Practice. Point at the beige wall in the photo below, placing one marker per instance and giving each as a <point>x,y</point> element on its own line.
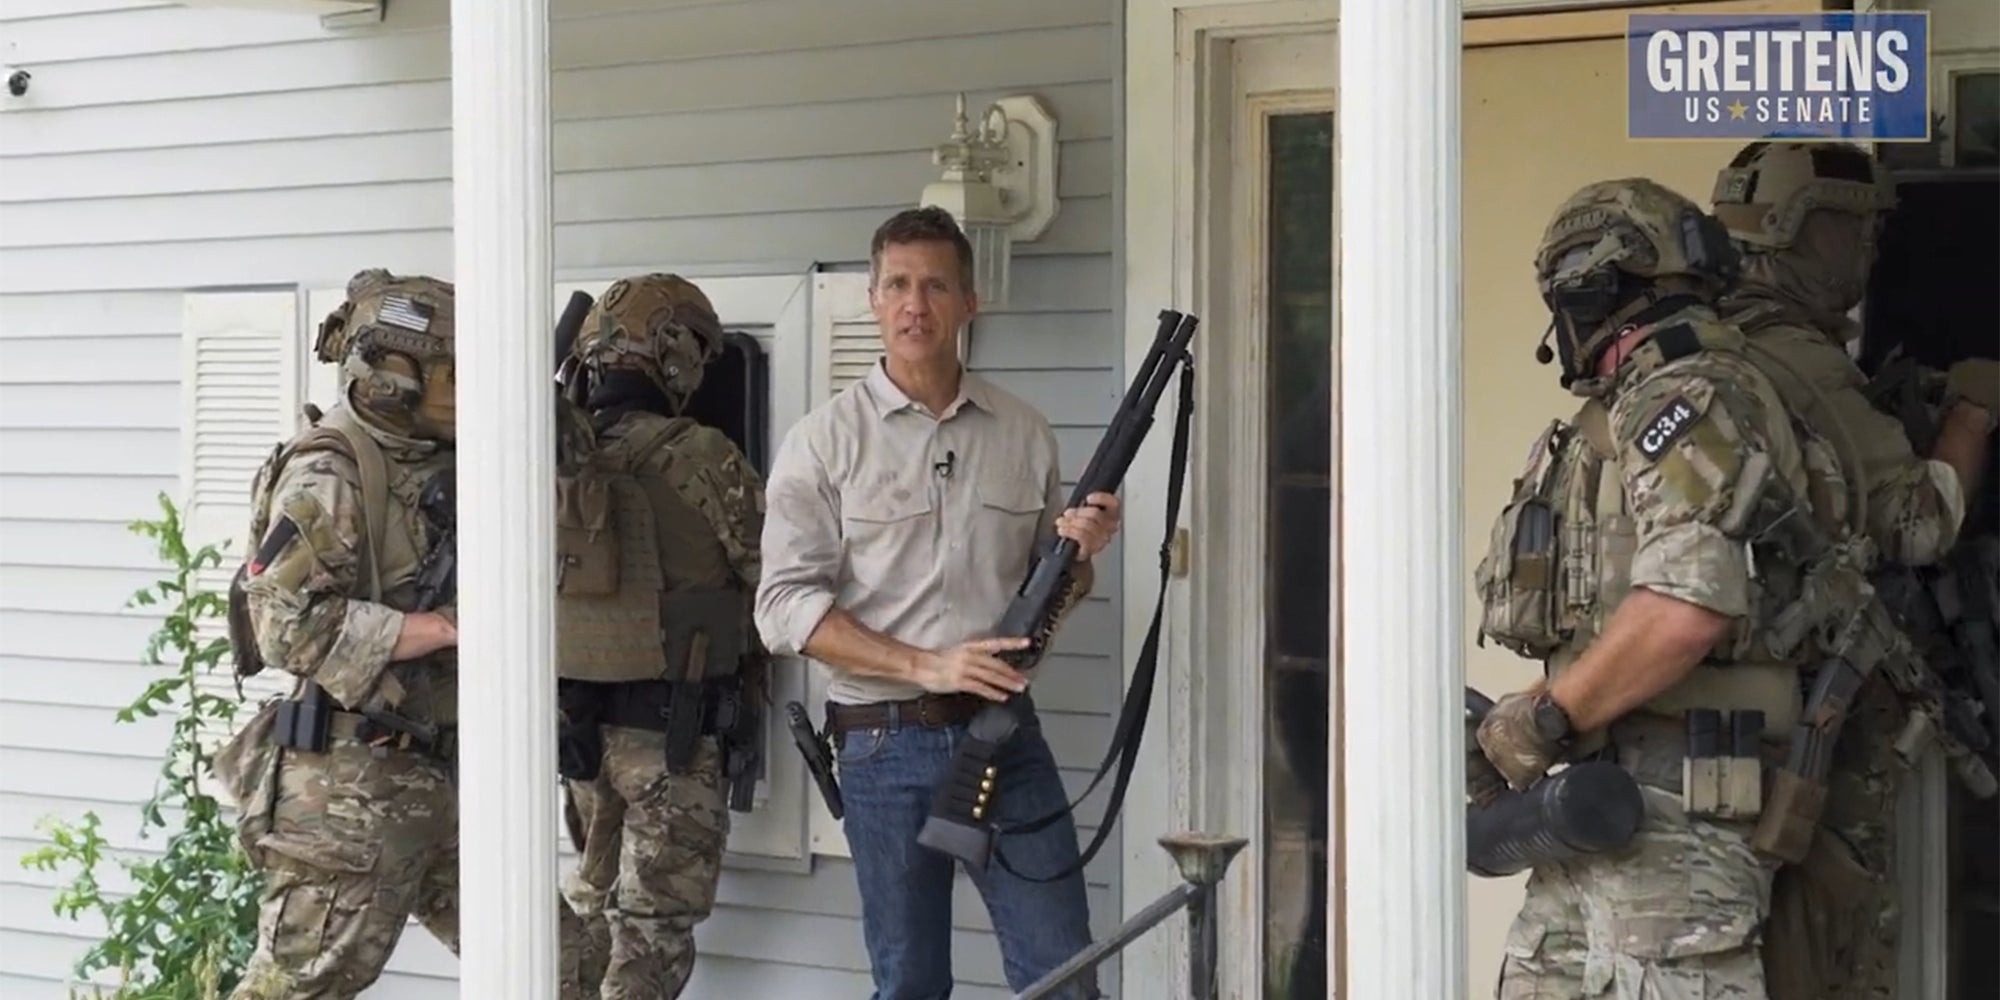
<point>1540,121</point>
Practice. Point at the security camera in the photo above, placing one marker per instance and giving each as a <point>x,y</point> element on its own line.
<point>17,82</point>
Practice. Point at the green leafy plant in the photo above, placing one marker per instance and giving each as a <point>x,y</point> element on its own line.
<point>189,923</point>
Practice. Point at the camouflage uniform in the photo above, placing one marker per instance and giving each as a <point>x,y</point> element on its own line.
<point>1806,217</point>
<point>652,835</point>
<point>1643,487</point>
<point>355,839</point>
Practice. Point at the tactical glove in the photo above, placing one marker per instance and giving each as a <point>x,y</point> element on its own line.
<point>1977,381</point>
<point>1523,735</point>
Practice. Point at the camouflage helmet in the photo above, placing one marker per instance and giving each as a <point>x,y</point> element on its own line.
<point>1766,192</point>
<point>660,325</point>
<point>1616,247</point>
<point>1640,227</point>
<point>387,314</point>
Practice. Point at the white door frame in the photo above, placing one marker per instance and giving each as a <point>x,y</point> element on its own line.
<point>1180,99</point>
<point>1264,76</point>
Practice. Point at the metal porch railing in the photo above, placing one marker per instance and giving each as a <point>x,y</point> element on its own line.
<point>1203,860</point>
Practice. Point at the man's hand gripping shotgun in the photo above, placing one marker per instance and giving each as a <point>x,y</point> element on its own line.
<point>960,823</point>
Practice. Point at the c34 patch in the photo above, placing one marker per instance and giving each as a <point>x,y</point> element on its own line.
<point>1666,427</point>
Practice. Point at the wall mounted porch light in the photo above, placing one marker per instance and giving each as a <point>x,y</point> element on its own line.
<point>999,183</point>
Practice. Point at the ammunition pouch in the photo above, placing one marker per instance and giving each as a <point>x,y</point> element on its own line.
<point>1716,760</point>
<point>1518,594</point>
<point>303,721</point>
<point>1520,580</point>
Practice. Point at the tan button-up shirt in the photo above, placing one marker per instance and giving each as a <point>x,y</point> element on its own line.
<point>921,526</point>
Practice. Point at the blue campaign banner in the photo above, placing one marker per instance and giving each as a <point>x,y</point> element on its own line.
<point>1831,76</point>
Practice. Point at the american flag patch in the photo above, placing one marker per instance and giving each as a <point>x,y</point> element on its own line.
<point>402,311</point>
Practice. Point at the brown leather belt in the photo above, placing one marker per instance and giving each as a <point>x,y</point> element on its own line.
<point>930,711</point>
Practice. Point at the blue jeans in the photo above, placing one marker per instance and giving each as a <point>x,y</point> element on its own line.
<point>887,777</point>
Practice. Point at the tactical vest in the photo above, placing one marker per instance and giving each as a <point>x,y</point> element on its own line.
<point>1803,379</point>
<point>1560,553</point>
<point>391,551</point>
<point>643,587</point>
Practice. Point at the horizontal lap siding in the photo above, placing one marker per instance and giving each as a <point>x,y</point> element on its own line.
<point>163,148</point>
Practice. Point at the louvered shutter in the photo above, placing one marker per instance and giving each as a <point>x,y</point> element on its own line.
<point>845,338</point>
<point>241,388</point>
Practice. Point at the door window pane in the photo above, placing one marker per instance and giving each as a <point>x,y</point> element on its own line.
<point>1299,297</point>
<point>1975,111</point>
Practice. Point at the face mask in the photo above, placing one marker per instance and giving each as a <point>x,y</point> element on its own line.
<point>1826,269</point>
<point>437,415</point>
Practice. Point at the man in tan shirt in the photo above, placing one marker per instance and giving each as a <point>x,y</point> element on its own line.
<point>902,514</point>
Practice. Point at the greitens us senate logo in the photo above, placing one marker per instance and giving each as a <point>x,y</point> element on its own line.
<point>1833,76</point>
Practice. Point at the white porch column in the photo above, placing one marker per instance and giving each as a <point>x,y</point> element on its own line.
<point>1398,580</point>
<point>501,257</point>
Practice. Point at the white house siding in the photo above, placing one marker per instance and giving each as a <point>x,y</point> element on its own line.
<point>164,148</point>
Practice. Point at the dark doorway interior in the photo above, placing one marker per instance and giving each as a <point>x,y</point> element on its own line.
<point>735,397</point>
<point>1936,294</point>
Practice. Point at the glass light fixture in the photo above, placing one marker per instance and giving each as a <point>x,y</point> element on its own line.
<point>970,158</point>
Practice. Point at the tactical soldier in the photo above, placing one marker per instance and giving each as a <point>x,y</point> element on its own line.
<point>346,787</point>
<point>1631,560</point>
<point>1806,217</point>
<point>657,529</point>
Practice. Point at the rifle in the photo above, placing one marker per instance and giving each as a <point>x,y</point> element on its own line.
<point>437,572</point>
<point>569,371</point>
<point>1950,607</point>
<point>1901,388</point>
<point>1840,611</point>
<point>964,799</point>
